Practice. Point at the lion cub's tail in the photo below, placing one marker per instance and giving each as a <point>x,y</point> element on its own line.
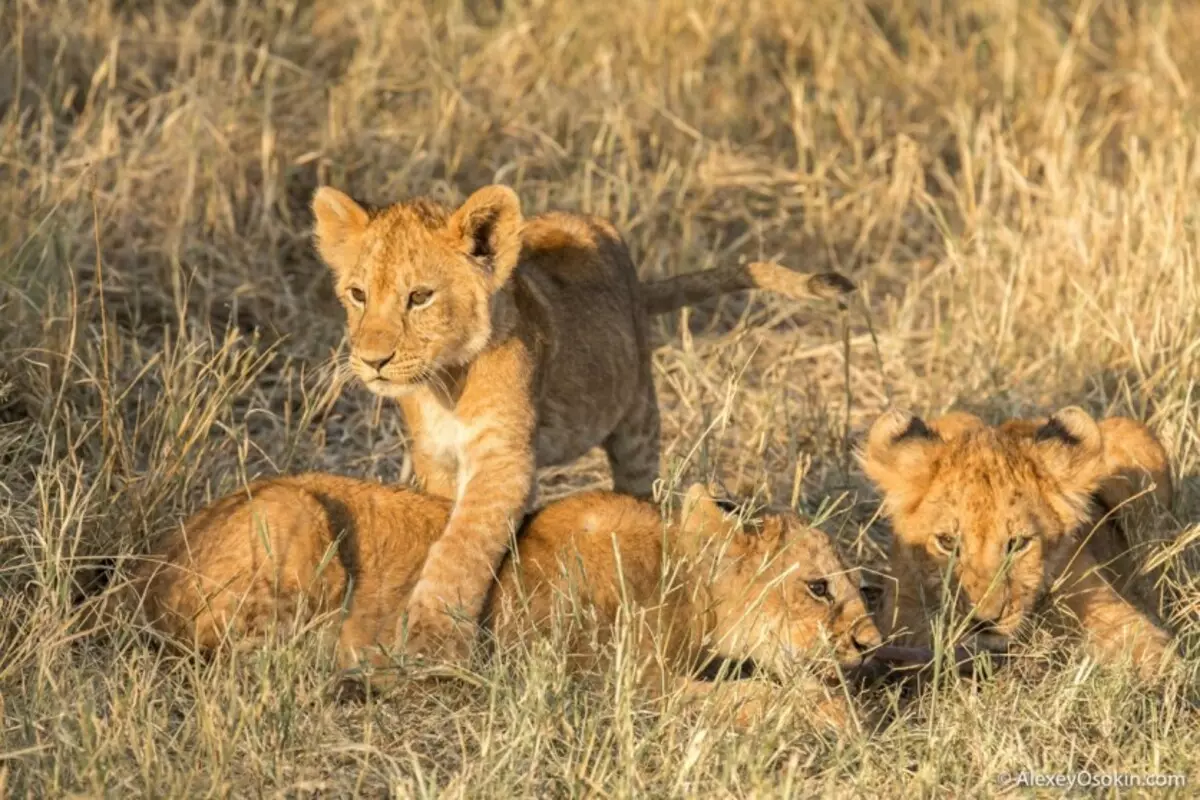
<point>671,294</point>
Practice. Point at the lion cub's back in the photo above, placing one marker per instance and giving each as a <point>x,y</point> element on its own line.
<point>282,551</point>
<point>581,252</point>
<point>594,547</point>
<point>588,284</point>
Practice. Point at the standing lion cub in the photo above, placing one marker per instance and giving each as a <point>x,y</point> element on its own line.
<point>710,583</point>
<point>510,343</point>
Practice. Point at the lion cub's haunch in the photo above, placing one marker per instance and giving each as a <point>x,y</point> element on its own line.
<point>510,343</point>
<point>294,550</point>
<point>1018,513</point>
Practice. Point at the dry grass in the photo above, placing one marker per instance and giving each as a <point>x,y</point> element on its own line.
<point>1013,185</point>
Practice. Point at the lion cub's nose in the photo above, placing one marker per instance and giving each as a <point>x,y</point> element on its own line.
<point>378,364</point>
<point>865,637</point>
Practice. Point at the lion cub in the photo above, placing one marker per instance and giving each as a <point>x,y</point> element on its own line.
<point>1018,513</point>
<point>298,550</point>
<point>510,343</point>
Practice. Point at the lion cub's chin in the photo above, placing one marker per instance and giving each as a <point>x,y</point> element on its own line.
<point>830,669</point>
<point>392,389</point>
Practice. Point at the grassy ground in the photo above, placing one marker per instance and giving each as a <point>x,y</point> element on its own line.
<point>1014,186</point>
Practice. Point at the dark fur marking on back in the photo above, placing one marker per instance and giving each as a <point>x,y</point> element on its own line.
<point>1103,511</point>
<point>1102,508</point>
<point>341,523</point>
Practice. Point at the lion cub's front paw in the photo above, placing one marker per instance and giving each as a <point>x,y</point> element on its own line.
<point>431,631</point>
<point>751,702</point>
<point>1150,649</point>
<point>1154,655</point>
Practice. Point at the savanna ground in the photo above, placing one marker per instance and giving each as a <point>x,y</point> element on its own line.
<point>1013,186</point>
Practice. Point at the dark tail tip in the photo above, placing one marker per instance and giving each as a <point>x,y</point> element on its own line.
<point>830,285</point>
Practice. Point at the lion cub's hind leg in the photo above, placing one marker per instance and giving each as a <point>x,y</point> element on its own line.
<point>243,569</point>
<point>633,446</point>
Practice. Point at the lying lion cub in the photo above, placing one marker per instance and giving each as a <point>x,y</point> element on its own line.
<point>1018,513</point>
<point>510,343</point>
<point>295,549</point>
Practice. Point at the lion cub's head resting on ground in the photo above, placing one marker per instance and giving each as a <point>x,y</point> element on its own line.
<point>418,280</point>
<point>714,582</point>
<point>1005,511</point>
<point>776,590</point>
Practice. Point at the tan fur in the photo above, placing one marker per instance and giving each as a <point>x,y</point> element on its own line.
<point>1011,507</point>
<point>741,590</point>
<point>285,552</point>
<point>510,344</point>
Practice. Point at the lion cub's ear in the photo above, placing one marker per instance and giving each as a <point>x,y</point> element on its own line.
<point>1071,447</point>
<point>700,519</point>
<point>341,223</point>
<point>899,457</point>
<point>488,228</point>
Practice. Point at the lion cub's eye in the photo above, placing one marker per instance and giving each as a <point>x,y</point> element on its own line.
<point>357,295</point>
<point>419,298</point>
<point>944,542</point>
<point>1018,544</point>
<point>819,589</point>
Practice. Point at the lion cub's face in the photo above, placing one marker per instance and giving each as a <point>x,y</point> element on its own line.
<point>777,589</point>
<point>417,280</point>
<point>992,509</point>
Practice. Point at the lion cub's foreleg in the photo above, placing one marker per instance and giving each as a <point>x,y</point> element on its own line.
<point>1113,627</point>
<point>496,465</point>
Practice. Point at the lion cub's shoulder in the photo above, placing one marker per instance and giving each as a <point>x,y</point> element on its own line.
<point>600,538</point>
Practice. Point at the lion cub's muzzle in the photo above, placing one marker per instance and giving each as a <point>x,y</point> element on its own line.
<point>859,643</point>
<point>381,373</point>
<point>993,635</point>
